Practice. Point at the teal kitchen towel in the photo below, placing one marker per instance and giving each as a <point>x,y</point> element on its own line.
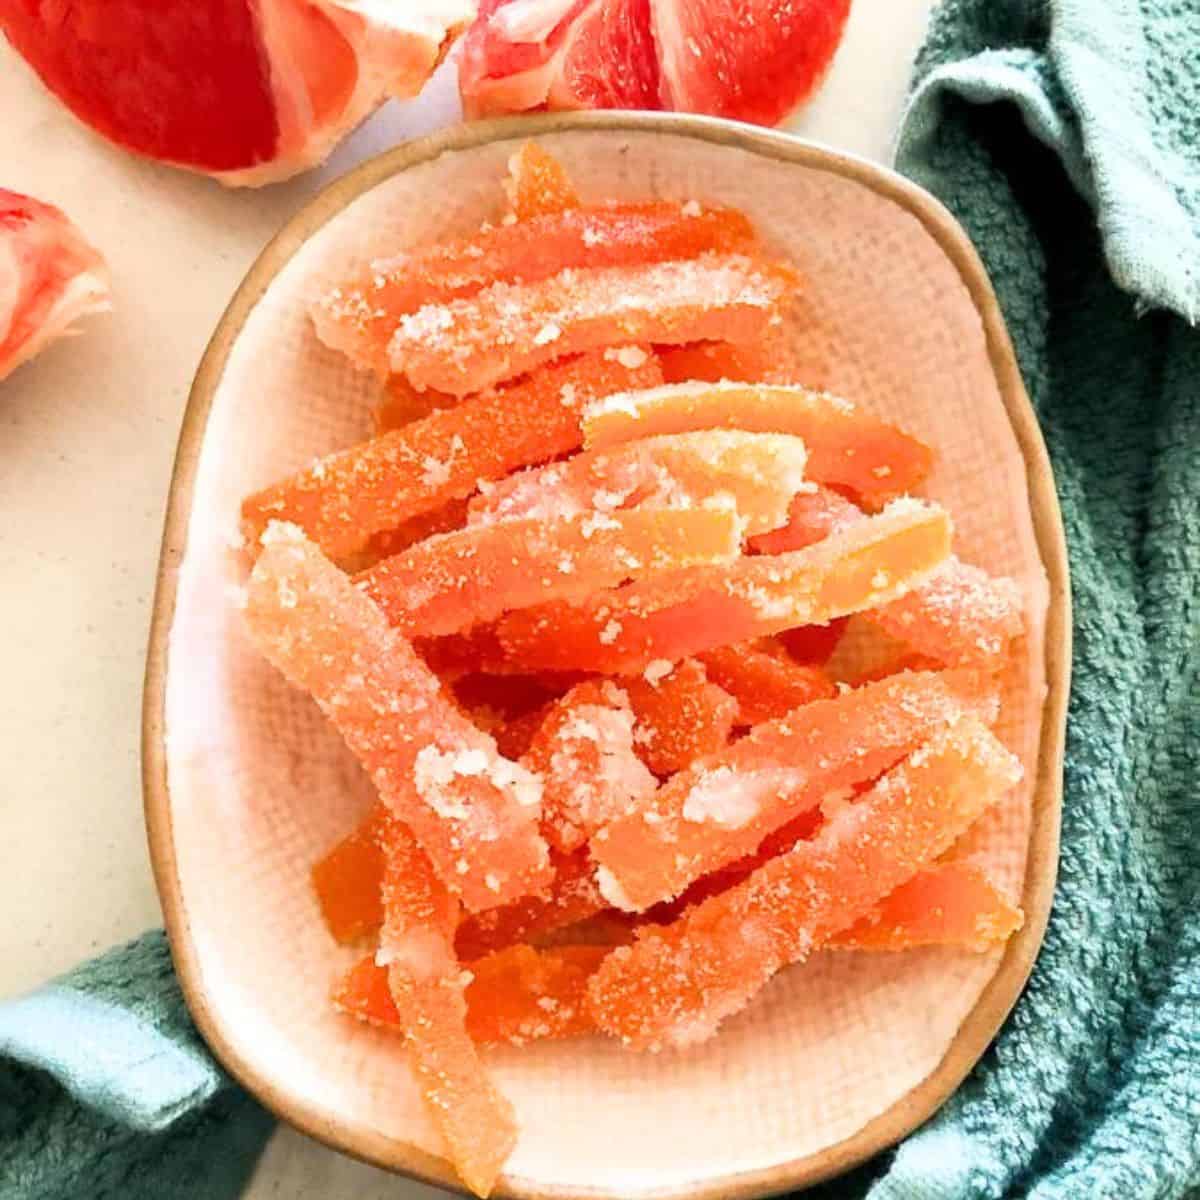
<point>108,1093</point>
<point>1066,138</point>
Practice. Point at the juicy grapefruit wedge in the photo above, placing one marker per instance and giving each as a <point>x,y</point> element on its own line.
<point>49,278</point>
<point>753,60</point>
<point>250,91</point>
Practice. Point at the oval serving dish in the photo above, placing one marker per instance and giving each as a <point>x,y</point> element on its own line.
<point>246,785</point>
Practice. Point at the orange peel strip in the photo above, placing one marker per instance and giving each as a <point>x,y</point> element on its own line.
<point>584,754</point>
<point>684,613</point>
<point>538,184</point>
<point>722,807</point>
<point>360,316</point>
<point>848,447</point>
<point>758,473</point>
<point>676,984</point>
<point>453,581</point>
<point>681,715</point>
<point>509,329</point>
<point>474,812</point>
<point>765,680</point>
<point>948,904</point>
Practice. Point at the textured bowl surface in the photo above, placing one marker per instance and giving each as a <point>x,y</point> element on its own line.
<point>246,786</point>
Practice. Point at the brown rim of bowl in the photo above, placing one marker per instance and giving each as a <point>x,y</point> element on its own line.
<point>1002,990</point>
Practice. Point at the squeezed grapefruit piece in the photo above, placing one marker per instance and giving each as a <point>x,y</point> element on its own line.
<point>347,880</point>
<point>847,446</point>
<point>467,345</point>
<point>521,995</point>
<point>722,807</point>
<point>402,404</point>
<point>455,580</point>
<point>474,812</point>
<point>360,317</point>
<point>345,498</point>
<point>681,715</point>
<point>814,514</point>
<point>427,983</point>
<point>947,904</point>
<point>960,616</point>
<point>538,184</point>
<point>683,613</point>
<point>585,756</point>
<point>754,474</point>
<point>710,362</point>
<point>765,680</point>
<point>49,277</point>
<point>676,984</point>
<point>572,897</point>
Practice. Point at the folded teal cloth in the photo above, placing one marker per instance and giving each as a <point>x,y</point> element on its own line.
<point>1066,138</point>
<point>108,1093</point>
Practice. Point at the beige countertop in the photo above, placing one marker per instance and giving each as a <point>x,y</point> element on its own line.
<point>87,439</point>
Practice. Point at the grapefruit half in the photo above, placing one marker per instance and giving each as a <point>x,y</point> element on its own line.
<point>250,91</point>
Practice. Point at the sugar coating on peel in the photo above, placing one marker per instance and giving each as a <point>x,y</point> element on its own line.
<point>680,714</point>
<point>521,994</point>
<point>427,986</point>
<point>360,315</point>
<point>755,474</point>
<point>711,362</point>
<point>814,513</point>
<point>538,184</point>
<point>676,984</point>
<point>848,446</point>
<point>345,498</point>
<point>947,904</point>
<point>722,807</point>
<point>452,581</point>
<point>508,329</point>
<point>765,680</point>
<point>347,880</point>
<point>585,756</point>
<point>572,897</point>
<point>960,616</point>
<point>474,813</point>
<point>402,404</point>
<point>687,612</point>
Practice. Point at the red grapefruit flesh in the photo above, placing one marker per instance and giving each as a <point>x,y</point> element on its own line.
<point>247,90</point>
<point>753,60</point>
<point>49,278</point>
<point>538,184</point>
